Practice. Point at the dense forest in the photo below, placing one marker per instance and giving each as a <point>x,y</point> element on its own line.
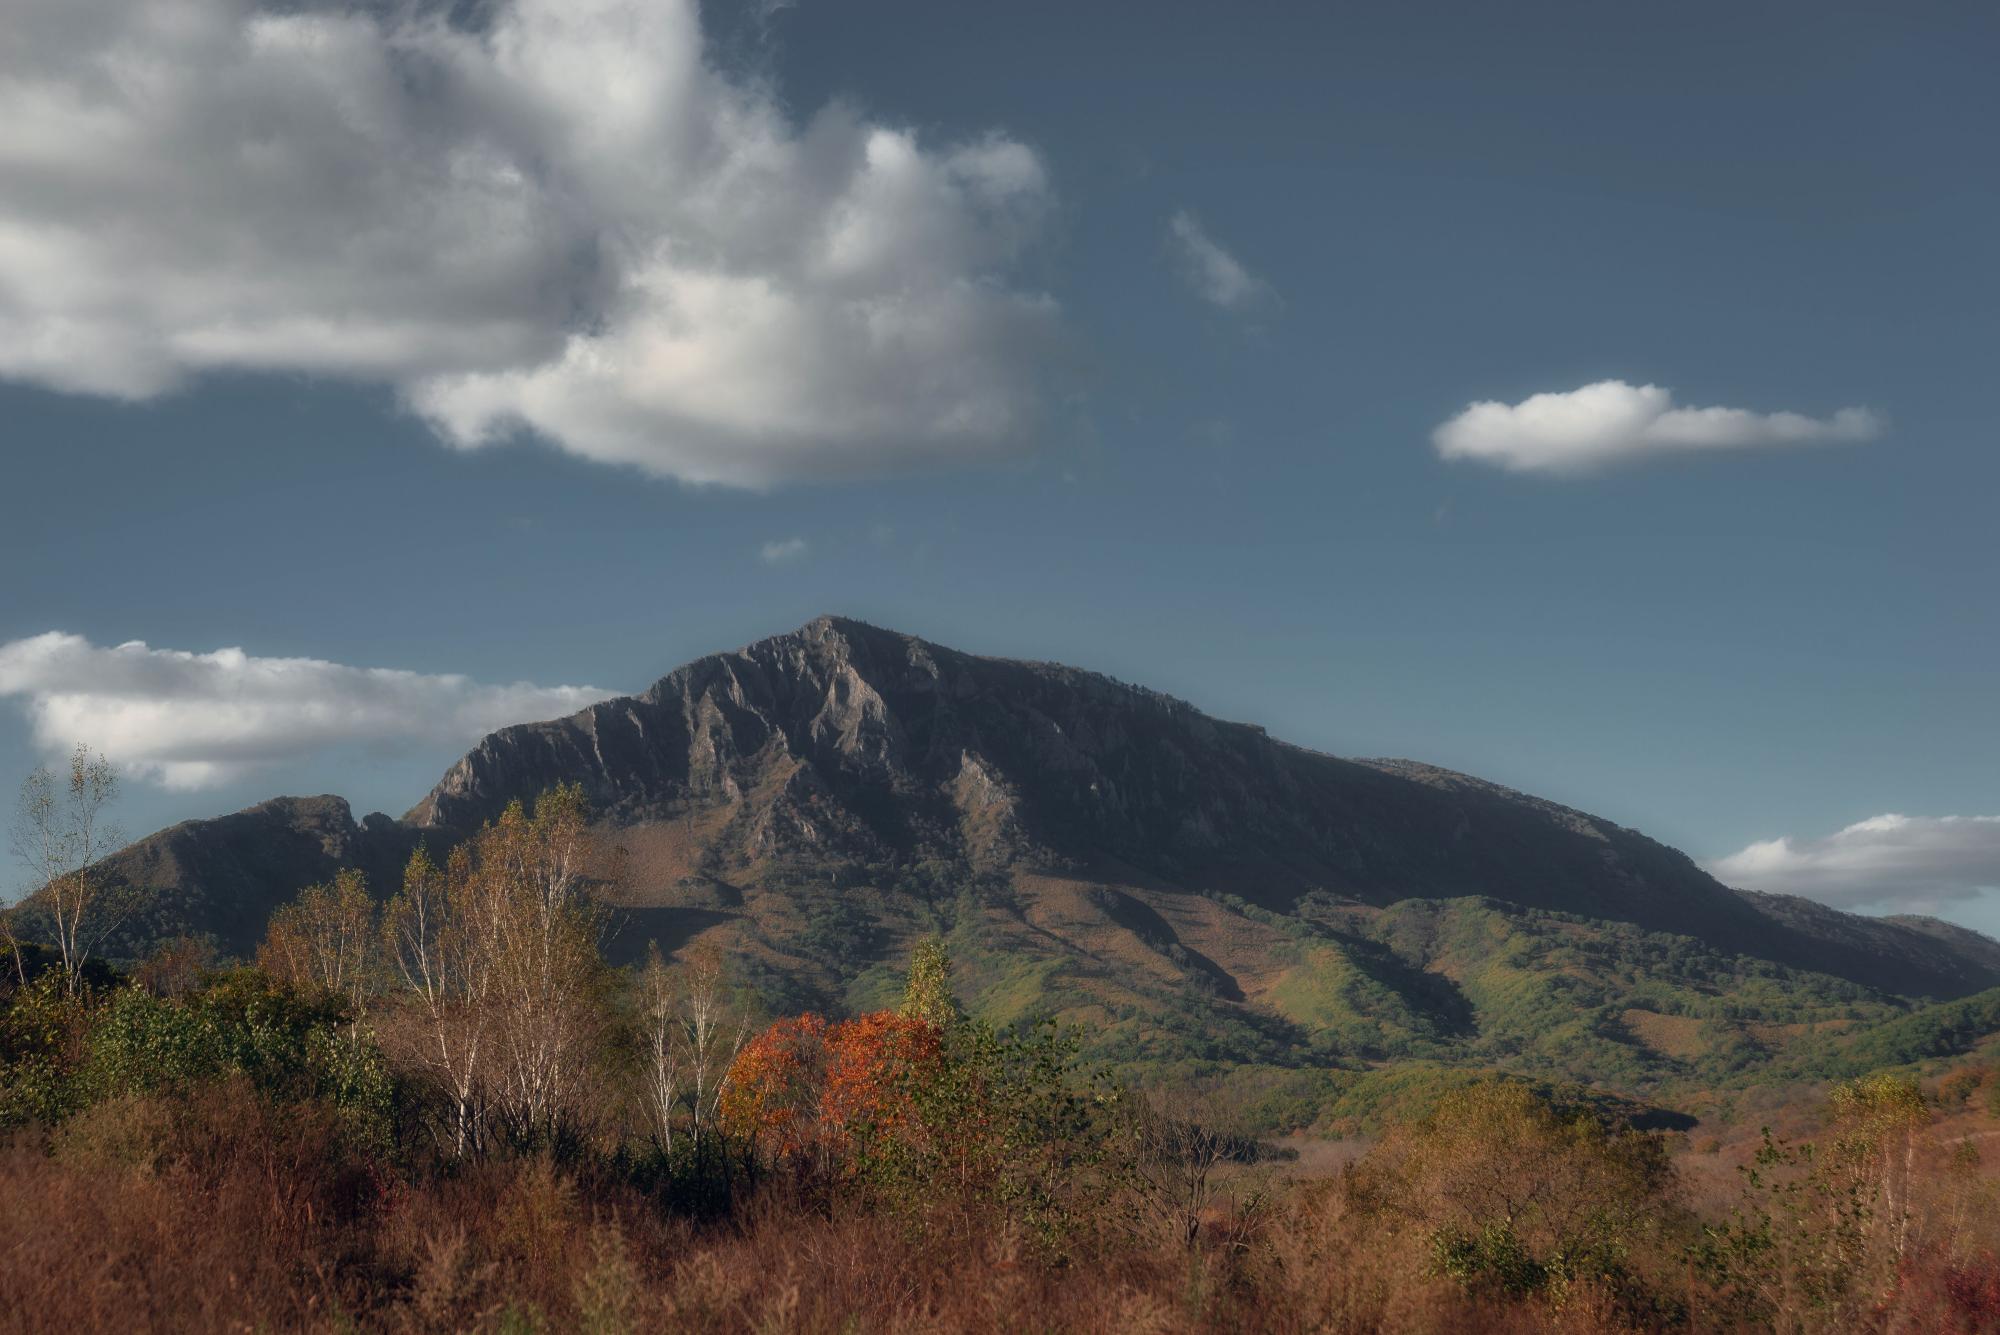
<point>447,1110</point>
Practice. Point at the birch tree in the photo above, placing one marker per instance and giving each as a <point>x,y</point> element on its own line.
<point>61,832</point>
<point>1878,1119</point>
<point>529,875</point>
<point>325,939</point>
<point>693,1034</point>
<point>500,949</point>
<point>438,950</point>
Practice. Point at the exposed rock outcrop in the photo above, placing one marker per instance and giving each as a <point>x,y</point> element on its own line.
<point>871,755</point>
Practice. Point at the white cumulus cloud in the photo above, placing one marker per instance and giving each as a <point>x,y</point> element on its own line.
<point>552,216</point>
<point>1210,272</point>
<point>1613,422</point>
<point>189,720</point>
<point>780,551</point>
<point>1917,862</point>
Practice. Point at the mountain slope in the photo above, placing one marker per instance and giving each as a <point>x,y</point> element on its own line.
<point>1947,1029</point>
<point>219,879</point>
<point>843,743</point>
<point>1183,885</point>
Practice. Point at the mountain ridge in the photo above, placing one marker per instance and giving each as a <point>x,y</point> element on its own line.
<point>814,800</point>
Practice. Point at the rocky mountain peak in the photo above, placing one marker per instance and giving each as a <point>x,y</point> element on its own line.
<point>843,753</point>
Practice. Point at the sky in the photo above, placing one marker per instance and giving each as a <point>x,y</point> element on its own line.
<point>1597,399</point>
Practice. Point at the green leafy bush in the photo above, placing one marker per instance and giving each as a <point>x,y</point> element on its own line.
<point>62,1055</point>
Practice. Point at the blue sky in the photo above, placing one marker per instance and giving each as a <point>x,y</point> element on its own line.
<point>554,366</point>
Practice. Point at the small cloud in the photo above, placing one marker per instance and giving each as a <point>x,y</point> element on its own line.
<point>777,553</point>
<point>190,720</point>
<point>1890,861</point>
<point>1612,422</point>
<point>1212,273</point>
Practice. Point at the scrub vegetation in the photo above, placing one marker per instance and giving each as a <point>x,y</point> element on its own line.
<point>447,1110</point>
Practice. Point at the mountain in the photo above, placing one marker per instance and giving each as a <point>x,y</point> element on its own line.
<point>1185,886</point>
<point>220,879</point>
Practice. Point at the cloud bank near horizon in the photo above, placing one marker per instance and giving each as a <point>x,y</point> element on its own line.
<point>1905,863</point>
<point>1612,422</point>
<point>567,221</point>
<point>196,720</point>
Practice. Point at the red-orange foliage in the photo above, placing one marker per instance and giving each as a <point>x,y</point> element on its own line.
<point>870,1062</point>
<point>805,1086</point>
<point>774,1087</point>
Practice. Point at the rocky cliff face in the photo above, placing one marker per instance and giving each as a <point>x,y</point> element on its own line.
<point>818,792</point>
<point>862,742</point>
<point>844,742</point>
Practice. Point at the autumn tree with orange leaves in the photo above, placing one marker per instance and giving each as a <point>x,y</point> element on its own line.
<point>929,1112</point>
<point>776,1087</point>
<point>832,1093</point>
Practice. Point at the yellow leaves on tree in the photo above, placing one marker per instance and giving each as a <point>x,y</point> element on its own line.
<point>324,941</point>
